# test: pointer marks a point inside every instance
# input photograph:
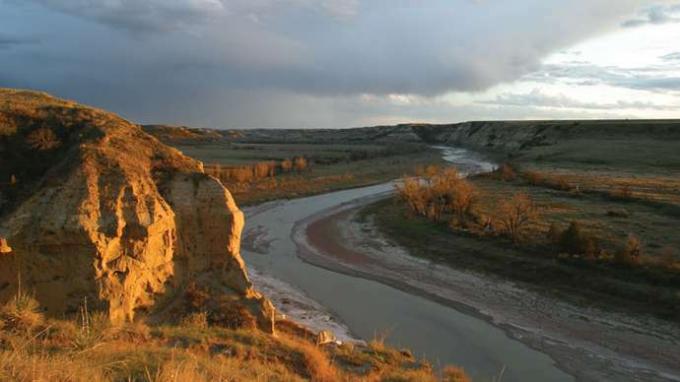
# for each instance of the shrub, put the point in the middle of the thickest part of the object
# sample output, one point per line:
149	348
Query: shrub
576	242
667	258
554	233
534	178
454	374
300	164
415	195
561	183
43	139
623	193
198	320
506	172
515	214
286	165
21	313
618	213
440	193
631	253
90	328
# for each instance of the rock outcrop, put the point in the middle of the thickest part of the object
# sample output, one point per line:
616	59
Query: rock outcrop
112	215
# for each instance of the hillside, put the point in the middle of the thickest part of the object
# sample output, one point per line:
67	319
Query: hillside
120	260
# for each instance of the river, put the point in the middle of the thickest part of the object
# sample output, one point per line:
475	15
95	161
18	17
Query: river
355	307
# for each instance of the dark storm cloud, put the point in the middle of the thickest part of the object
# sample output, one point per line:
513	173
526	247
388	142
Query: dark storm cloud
154	58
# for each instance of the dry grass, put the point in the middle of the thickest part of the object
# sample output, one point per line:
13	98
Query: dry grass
88	349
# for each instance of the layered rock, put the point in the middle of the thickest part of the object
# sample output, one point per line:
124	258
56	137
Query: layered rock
115	217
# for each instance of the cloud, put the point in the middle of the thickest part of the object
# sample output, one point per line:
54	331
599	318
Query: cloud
167	15
171	57
656	15
671	57
651	78
7	42
537	98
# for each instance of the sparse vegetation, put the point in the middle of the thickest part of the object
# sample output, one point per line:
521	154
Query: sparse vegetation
295	170
87	348
563	225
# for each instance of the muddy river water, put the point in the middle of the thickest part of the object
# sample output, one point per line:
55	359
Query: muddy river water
359	308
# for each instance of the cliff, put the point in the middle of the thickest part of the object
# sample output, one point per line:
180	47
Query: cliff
516	137
91	207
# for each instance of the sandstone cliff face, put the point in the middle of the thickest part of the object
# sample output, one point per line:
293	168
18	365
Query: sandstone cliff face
115	217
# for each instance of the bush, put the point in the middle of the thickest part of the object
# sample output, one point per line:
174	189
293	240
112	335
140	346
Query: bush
667	258
286	165
198	320
515	214
623	193
534	178
43	139
506	172
632	252
438	194
454	374
300	164
21	313
576	242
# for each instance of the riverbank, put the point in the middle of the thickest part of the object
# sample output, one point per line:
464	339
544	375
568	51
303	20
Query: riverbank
368	308
587	342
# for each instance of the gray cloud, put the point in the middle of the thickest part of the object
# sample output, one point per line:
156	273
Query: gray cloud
7	41
671	57
654	78
657	15
167	15
159	58
537	98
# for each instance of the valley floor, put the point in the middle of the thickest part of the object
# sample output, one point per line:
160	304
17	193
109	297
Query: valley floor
589	343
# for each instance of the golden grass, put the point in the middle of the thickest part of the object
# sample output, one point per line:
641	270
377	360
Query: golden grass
89	349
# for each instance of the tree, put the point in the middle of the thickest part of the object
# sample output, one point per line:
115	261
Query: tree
43	139
462	200
515	214
264	169
286	165
300	163
415	195
574	240
439	193
632	253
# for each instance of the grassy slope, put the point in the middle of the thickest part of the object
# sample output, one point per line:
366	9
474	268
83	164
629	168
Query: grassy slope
62	350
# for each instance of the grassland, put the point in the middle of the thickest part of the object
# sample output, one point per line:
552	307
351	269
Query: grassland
612	193
330	166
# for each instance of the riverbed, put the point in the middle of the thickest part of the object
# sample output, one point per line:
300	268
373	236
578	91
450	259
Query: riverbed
327	269
357	308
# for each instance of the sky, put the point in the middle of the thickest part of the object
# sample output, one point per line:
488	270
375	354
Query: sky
345	63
